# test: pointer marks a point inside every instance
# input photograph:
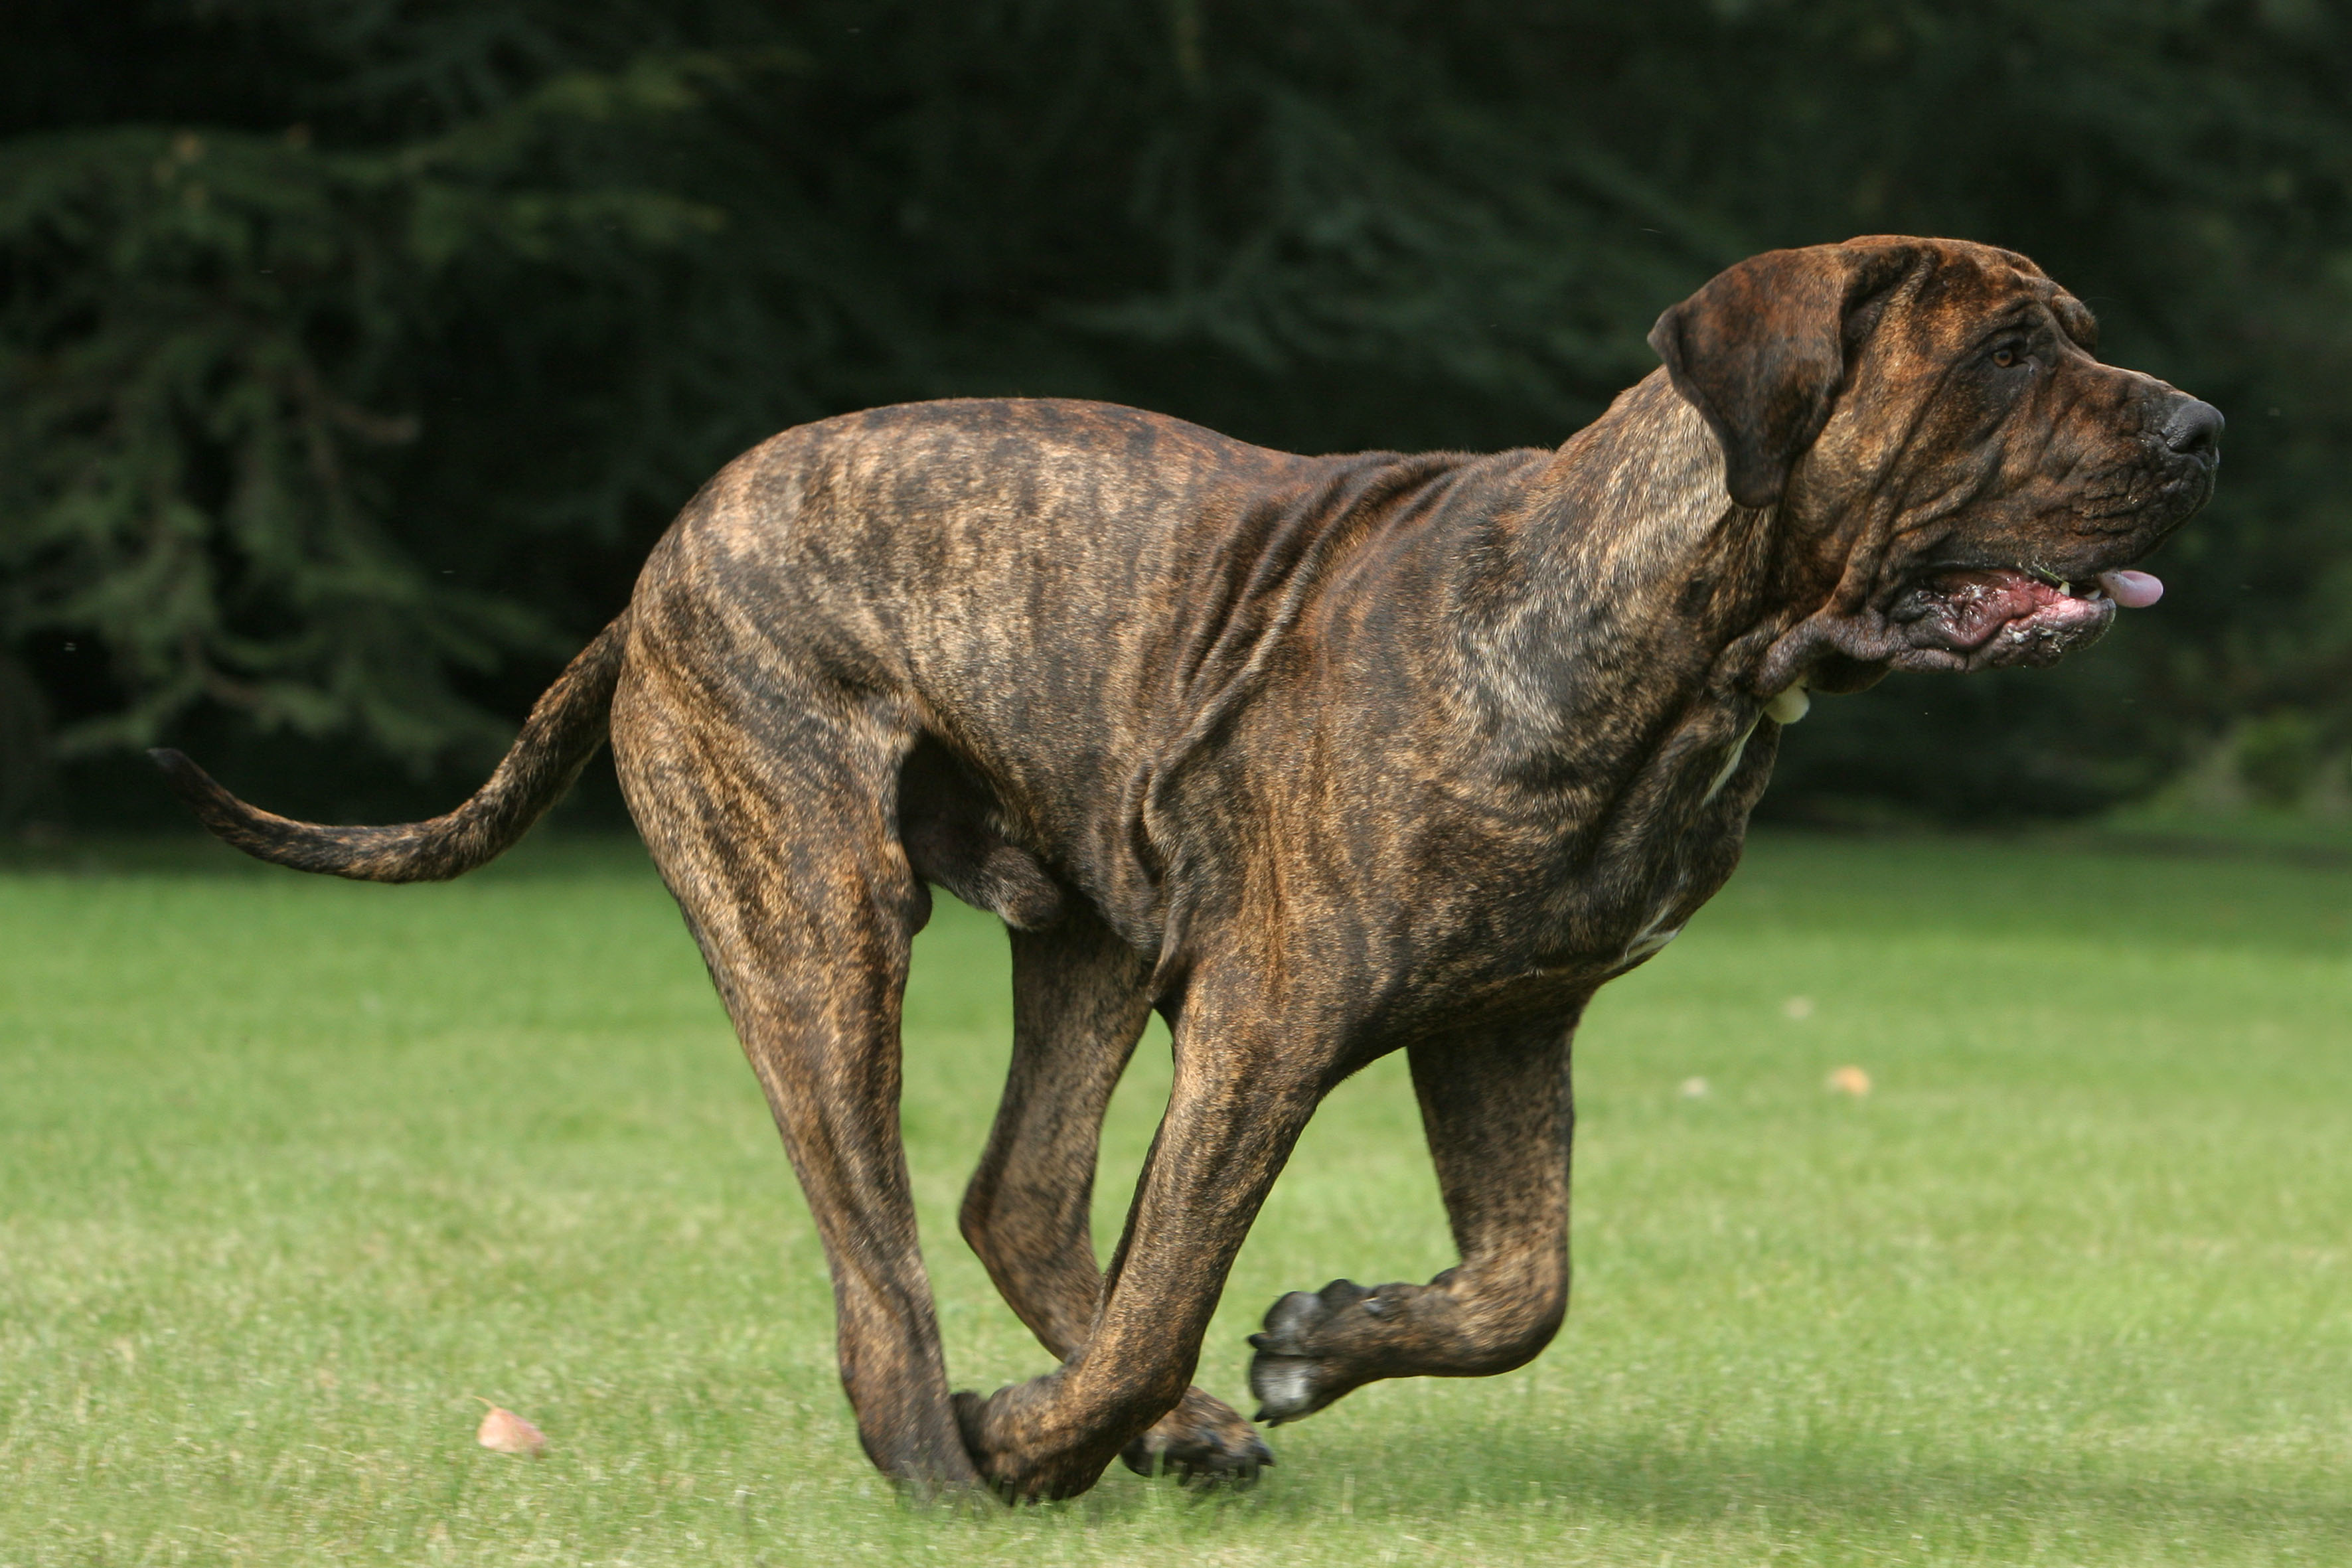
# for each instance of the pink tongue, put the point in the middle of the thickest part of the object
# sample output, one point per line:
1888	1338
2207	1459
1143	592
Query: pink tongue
2132	590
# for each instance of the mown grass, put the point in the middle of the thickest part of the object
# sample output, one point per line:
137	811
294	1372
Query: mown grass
289	1170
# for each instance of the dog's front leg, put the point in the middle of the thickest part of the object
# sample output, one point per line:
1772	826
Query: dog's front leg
1247	1081
1500	1115
1080	999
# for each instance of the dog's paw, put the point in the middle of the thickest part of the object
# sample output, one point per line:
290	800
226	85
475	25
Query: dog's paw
1020	1453
1294	1372
1203	1441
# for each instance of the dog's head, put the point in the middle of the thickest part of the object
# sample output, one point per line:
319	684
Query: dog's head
1960	481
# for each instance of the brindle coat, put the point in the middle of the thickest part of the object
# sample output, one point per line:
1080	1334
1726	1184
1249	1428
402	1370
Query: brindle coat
1320	757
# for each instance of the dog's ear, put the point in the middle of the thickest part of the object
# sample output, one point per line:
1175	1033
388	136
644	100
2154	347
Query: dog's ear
1762	350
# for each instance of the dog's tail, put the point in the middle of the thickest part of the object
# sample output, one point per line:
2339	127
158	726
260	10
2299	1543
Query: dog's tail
565	727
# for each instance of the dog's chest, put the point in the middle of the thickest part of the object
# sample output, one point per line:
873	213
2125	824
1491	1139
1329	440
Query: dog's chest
1547	942
1608	931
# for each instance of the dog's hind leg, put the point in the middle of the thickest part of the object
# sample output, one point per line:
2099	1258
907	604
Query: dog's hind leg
770	821
1499	1116
1079	1003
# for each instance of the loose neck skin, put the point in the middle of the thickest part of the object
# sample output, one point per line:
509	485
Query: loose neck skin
1624	593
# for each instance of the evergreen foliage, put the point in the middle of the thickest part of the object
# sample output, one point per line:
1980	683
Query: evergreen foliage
351	351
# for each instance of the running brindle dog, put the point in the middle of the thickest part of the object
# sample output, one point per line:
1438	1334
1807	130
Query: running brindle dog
1320	757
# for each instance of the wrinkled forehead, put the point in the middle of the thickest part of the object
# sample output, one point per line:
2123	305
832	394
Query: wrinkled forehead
1961	292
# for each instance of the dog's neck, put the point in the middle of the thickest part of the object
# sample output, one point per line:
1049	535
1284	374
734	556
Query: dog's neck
1624	590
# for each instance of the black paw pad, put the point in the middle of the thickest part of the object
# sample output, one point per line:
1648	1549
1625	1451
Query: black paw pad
1287	1378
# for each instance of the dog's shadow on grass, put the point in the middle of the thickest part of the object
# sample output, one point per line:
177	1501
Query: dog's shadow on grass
1478	1474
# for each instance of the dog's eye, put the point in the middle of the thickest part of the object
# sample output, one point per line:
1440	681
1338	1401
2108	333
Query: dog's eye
2007	355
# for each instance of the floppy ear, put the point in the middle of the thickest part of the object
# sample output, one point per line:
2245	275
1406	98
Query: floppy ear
1762	350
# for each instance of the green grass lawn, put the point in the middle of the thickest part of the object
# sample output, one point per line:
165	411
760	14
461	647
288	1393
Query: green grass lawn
290	1170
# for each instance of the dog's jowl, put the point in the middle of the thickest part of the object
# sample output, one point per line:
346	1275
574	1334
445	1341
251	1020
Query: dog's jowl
1320	758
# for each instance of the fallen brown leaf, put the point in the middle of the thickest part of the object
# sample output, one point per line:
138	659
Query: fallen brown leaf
504	1432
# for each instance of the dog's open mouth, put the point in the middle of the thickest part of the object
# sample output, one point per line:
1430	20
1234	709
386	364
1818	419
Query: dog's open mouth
2010	615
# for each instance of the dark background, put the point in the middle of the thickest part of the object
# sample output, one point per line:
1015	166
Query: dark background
353	352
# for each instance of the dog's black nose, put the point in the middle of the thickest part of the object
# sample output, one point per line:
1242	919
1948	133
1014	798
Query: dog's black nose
2194	429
